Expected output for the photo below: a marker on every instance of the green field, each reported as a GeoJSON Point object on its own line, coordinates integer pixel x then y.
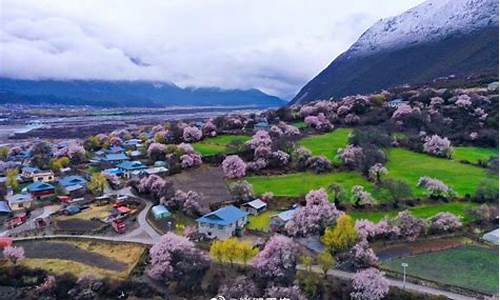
{"type": "Point", "coordinates": [220, 144]}
{"type": "Point", "coordinates": [474, 154]}
{"type": "Point", "coordinates": [298, 184]}
{"type": "Point", "coordinates": [410, 166]}
{"type": "Point", "coordinates": [469, 267]}
{"type": "Point", "coordinates": [327, 144]}
{"type": "Point", "coordinates": [261, 222]}
{"type": "Point", "coordinates": [299, 124]}
{"type": "Point", "coordinates": [424, 211]}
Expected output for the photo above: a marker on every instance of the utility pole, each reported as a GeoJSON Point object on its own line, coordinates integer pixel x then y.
{"type": "Point", "coordinates": [404, 265]}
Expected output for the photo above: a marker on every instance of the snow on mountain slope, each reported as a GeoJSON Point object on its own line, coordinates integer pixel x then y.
{"type": "Point", "coordinates": [432, 20]}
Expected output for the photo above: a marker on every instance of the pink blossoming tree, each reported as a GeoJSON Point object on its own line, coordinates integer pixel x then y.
{"type": "Point", "coordinates": [13, 254]}
{"type": "Point", "coordinates": [176, 259]}
{"type": "Point", "coordinates": [234, 167]}
{"type": "Point", "coordinates": [438, 146]}
{"type": "Point", "coordinates": [277, 261]}
{"type": "Point", "coordinates": [369, 284]}
{"type": "Point", "coordinates": [313, 218]}
{"type": "Point", "coordinates": [191, 134]}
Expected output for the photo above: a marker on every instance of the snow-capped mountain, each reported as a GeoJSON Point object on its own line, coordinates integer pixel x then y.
{"type": "Point", "coordinates": [430, 21]}
{"type": "Point", "coordinates": [436, 38]}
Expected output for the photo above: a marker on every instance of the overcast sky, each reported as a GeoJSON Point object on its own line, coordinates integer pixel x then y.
{"type": "Point", "coordinates": [273, 45]}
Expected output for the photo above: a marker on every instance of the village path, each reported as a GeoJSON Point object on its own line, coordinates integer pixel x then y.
{"type": "Point", "coordinates": [40, 213]}
{"type": "Point", "coordinates": [144, 231]}
{"type": "Point", "coordinates": [397, 283]}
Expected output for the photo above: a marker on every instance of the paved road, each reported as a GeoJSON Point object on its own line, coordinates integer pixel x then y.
{"type": "Point", "coordinates": [397, 283]}
{"type": "Point", "coordinates": [118, 238]}
{"type": "Point", "coordinates": [141, 217]}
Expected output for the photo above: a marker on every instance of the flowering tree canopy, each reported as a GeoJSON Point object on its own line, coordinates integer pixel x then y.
{"type": "Point", "coordinates": [438, 146]}
{"type": "Point", "coordinates": [435, 187]}
{"type": "Point", "coordinates": [314, 217]}
{"type": "Point", "coordinates": [14, 254]}
{"type": "Point", "coordinates": [444, 221]}
{"type": "Point", "coordinates": [319, 122]}
{"type": "Point", "coordinates": [278, 259]}
{"type": "Point", "coordinates": [360, 196]}
{"type": "Point", "coordinates": [175, 258]}
{"type": "Point", "coordinates": [260, 139]}
{"type": "Point", "coordinates": [191, 134]}
{"type": "Point", "coordinates": [278, 292]}
{"type": "Point", "coordinates": [351, 155]}
{"type": "Point", "coordinates": [369, 284]}
{"type": "Point", "coordinates": [319, 164]}
{"type": "Point", "coordinates": [234, 167]}
{"type": "Point", "coordinates": [157, 151]}
{"type": "Point", "coordinates": [363, 255]}
{"type": "Point", "coordinates": [209, 128]}
{"type": "Point", "coordinates": [376, 172]}
{"type": "Point", "coordinates": [409, 226]}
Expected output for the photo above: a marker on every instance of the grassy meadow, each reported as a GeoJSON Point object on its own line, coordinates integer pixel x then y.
{"type": "Point", "coordinates": [410, 166]}
{"type": "Point", "coordinates": [221, 144]}
{"type": "Point", "coordinates": [474, 154]}
{"type": "Point", "coordinates": [470, 267]}
{"type": "Point", "coordinates": [327, 144]}
{"type": "Point", "coordinates": [298, 184]}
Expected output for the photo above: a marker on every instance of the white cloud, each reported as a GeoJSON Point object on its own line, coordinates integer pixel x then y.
{"type": "Point", "coordinates": [275, 46]}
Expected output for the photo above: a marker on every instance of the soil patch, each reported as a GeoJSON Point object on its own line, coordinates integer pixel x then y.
{"type": "Point", "coordinates": [66, 251]}
{"type": "Point", "coordinates": [206, 180]}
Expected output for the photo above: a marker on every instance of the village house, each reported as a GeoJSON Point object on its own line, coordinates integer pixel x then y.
{"type": "Point", "coordinates": [113, 172]}
{"type": "Point", "coordinates": [115, 150]}
{"type": "Point", "coordinates": [18, 202]}
{"type": "Point", "coordinates": [44, 176]}
{"type": "Point", "coordinates": [223, 223]}
{"type": "Point", "coordinates": [278, 221]}
{"type": "Point", "coordinates": [114, 158]}
{"type": "Point", "coordinates": [396, 102]}
{"type": "Point", "coordinates": [130, 166]}
{"type": "Point", "coordinates": [132, 144]}
{"type": "Point", "coordinates": [73, 185]}
{"type": "Point", "coordinates": [35, 174]}
{"type": "Point", "coordinates": [254, 207]}
{"type": "Point", "coordinates": [40, 190]}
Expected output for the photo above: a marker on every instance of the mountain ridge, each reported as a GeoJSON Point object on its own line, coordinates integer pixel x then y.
{"type": "Point", "coordinates": [368, 66]}
{"type": "Point", "coordinates": [106, 93]}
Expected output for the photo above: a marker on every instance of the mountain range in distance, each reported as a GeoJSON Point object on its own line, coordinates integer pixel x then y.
{"type": "Point", "coordinates": [435, 39]}
{"type": "Point", "coordinates": [103, 93]}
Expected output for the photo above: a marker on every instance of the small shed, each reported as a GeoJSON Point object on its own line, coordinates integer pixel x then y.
{"type": "Point", "coordinates": [255, 207]}
{"type": "Point", "coordinates": [160, 212]}
{"type": "Point", "coordinates": [72, 209]}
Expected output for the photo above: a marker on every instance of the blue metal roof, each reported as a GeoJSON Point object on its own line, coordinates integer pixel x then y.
{"type": "Point", "coordinates": [113, 171]}
{"type": "Point", "coordinates": [223, 216]}
{"type": "Point", "coordinates": [72, 180]}
{"type": "Point", "coordinates": [39, 187]}
{"type": "Point", "coordinates": [132, 165]}
{"type": "Point", "coordinates": [4, 207]}
{"type": "Point", "coordinates": [288, 214]}
{"type": "Point", "coordinates": [115, 149]}
{"type": "Point", "coordinates": [30, 169]}
{"type": "Point", "coordinates": [115, 157]}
